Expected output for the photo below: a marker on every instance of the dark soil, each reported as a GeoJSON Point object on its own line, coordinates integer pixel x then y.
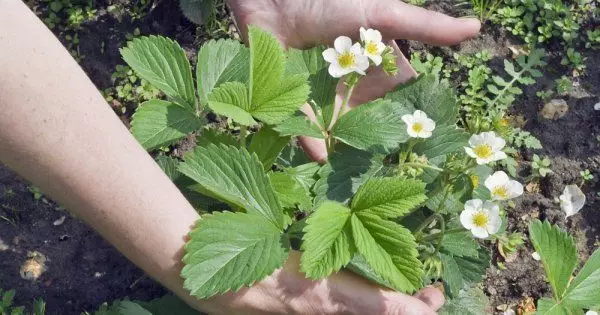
{"type": "Point", "coordinates": [84, 271]}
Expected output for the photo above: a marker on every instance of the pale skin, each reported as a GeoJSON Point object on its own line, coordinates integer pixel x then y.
{"type": "Point", "coordinates": [57, 131]}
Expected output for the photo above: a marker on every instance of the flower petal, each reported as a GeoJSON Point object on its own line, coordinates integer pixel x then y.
{"type": "Point", "coordinates": [466, 219]}
{"type": "Point", "coordinates": [498, 143]}
{"type": "Point", "coordinates": [425, 134]}
{"type": "Point", "coordinates": [470, 152]}
{"type": "Point", "coordinates": [408, 119]}
{"type": "Point", "coordinates": [363, 34]}
{"type": "Point", "coordinates": [475, 140]}
{"type": "Point", "coordinates": [380, 47]}
{"type": "Point", "coordinates": [572, 200]}
{"type": "Point", "coordinates": [474, 204]}
{"type": "Point", "coordinates": [429, 124]}
{"type": "Point", "coordinates": [336, 71]}
{"type": "Point", "coordinates": [495, 180]}
{"type": "Point", "coordinates": [342, 44]}
{"type": "Point", "coordinates": [330, 55]}
{"type": "Point", "coordinates": [498, 156]}
{"type": "Point", "coordinates": [376, 59]}
{"type": "Point", "coordinates": [480, 232]}
{"type": "Point", "coordinates": [515, 189]}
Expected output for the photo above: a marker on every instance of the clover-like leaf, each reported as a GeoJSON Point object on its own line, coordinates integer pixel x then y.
{"type": "Point", "coordinates": [299, 125]}
{"type": "Point", "coordinates": [231, 99]}
{"type": "Point", "coordinates": [584, 290]}
{"type": "Point", "coordinates": [267, 144]}
{"type": "Point", "coordinates": [163, 63]}
{"type": "Point", "coordinates": [229, 250]}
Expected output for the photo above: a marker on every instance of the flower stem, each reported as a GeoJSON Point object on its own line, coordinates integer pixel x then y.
{"type": "Point", "coordinates": [243, 133]}
{"type": "Point", "coordinates": [421, 165]}
{"type": "Point", "coordinates": [349, 90]}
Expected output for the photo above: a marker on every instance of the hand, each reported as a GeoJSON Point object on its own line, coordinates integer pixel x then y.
{"type": "Point", "coordinates": [306, 23]}
{"type": "Point", "coordinates": [287, 291]}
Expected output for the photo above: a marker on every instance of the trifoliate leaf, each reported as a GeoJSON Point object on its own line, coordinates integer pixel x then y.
{"type": "Point", "coordinates": [327, 242]}
{"type": "Point", "coordinates": [214, 136]}
{"type": "Point", "coordinates": [221, 61]}
{"type": "Point", "coordinates": [390, 250]}
{"type": "Point", "coordinates": [157, 123]}
{"type": "Point", "coordinates": [426, 93]}
{"type": "Point", "coordinates": [584, 290]}
{"type": "Point", "coordinates": [230, 99]}
{"type": "Point", "coordinates": [163, 63]}
{"type": "Point", "coordinates": [309, 61]}
{"type": "Point", "coordinates": [236, 177]}
{"type": "Point", "coordinates": [290, 192]}
{"type": "Point", "coordinates": [445, 140]}
{"type": "Point", "coordinates": [389, 197]}
{"type": "Point", "coordinates": [376, 126]}
{"type": "Point", "coordinates": [292, 155]}
{"type": "Point", "coordinates": [470, 301]}
{"type": "Point", "coordinates": [557, 251]}
{"type": "Point", "coordinates": [462, 271]}
{"type": "Point", "coordinates": [267, 144]}
{"type": "Point", "coordinates": [299, 125]}
{"type": "Point", "coordinates": [274, 97]}
{"type": "Point", "coordinates": [346, 170]}
{"type": "Point", "coordinates": [229, 250]}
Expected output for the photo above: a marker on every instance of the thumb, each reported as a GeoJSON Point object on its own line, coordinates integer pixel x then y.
{"type": "Point", "coordinates": [396, 19]}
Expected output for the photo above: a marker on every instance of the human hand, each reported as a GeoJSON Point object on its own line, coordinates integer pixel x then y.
{"type": "Point", "coordinates": [287, 291]}
{"type": "Point", "coordinates": [306, 23]}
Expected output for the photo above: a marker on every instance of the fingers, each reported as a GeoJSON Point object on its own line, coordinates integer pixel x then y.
{"type": "Point", "coordinates": [433, 297]}
{"type": "Point", "coordinates": [396, 19]}
{"type": "Point", "coordinates": [313, 147]}
{"type": "Point", "coordinates": [400, 304]}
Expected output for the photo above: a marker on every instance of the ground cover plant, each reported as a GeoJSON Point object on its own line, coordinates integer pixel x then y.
{"type": "Point", "coordinates": [493, 84]}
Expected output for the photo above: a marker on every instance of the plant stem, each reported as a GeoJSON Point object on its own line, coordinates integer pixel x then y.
{"type": "Point", "coordinates": [437, 234]}
{"type": "Point", "coordinates": [243, 133]}
{"type": "Point", "coordinates": [350, 88]}
{"type": "Point", "coordinates": [415, 164]}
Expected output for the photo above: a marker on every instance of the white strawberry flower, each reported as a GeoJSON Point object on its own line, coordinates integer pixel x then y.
{"type": "Point", "coordinates": [502, 187]}
{"type": "Point", "coordinates": [374, 47]}
{"type": "Point", "coordinates": [486, 147]}
{"type": "Point", "coordinates": [591, 313]}
{"type": "Point", "coordinates": [346, 58]}
{"type": "Point", "coordinates": [481, 218]}
{"type": "Point", "coordinates": [418, 125]}
{"type": "Point", "coordinates": [572, 200]}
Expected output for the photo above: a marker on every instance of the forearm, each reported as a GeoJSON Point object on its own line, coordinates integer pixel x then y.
{"type": "Point", "coordinates": [57, 131]}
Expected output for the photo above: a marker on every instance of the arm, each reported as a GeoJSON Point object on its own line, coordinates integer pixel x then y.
{"type": "Point", "coordinates": [57, 131]}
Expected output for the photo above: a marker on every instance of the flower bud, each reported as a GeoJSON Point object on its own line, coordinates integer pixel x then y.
{"type": "Point", "coordinates": [389, 61]}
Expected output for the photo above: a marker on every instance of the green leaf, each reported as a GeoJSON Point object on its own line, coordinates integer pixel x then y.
{"type": "Point", "coordinates": [429, 95]}
{"type": "Point", "coordinates": [290, 192]}
{"type": "Point", "coordinates": [236, 177]}
{"type": "Point", "coordinates": [168, 305]}
{"type": "Point", "coordinates": [130, 308]}
{"type": "Point", "coordinates": [267, 144]}
{"type": "Point", "coordinates": [462, 271]}
{"type": "Point", "coordinates": [299, 125]}
{"type": "Point", "coordinates": [309, 61]}
{"type": "Point", "coordinates": [213, 136]}
{"type": "Point", "coordinates": [157, 123]}
{"type": "Point", "coordinates": [389, 197]}
{"type": "Point", "coordinates": [390, 250]}
{"type": "Point", "coordinates": [584, 290]}
{"type": "Point", "coordinates": [327, 241]}
{"type": "Point", "coordinates": [549, 307]}
{"type": "Point", "coordinates": [169, 166]}
{"type": "Point", "coordinates": [346, 170]}
{"type": "Point", "coordinates": [230, 99]}
{"type": "Point", "coordinates": [445, 140]}
{"type": "Point", "coordinates": [197, 11]}
{"type": "Point", "coordinates": [471, 301]}
{"type": "Point", "coordinates": [163, 63]}
{"type": "Point", "coordinates": [221, 61]}
{"type": "Point", "coordinates": [229, 250]}
{"type": "Point", "coordinates": [292, 156]}
{"type": "Point", "coordinates": [460, 244]}
{"type": "Point", "coordinates": [274, 97]}
{"type": "Point", "coordinates": [305, 174]}
{"type": "Point", "coordinates": [360, 266]}
{"type": "Point", "coordinates": [376, 126]}
{"type": "Point", "coordinates": [557, 251]}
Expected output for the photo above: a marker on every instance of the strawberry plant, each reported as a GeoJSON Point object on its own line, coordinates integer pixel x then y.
{"type": "Point", "coordinates": [402, 200]}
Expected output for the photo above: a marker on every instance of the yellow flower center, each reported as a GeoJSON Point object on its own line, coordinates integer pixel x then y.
{"type": "Point", "coordinates": [480, 219]}
{"type": "Point", "coordinates": [503, 122]}
{"type": "Point", "coordinates": [500, 192]}
{"type": "Point", "coordinates": [371, 48]}
{"type": "Point", "coordinates": [483, 151]}
{"type": "Point", "coordinates": [417, 127]}
{"type": "Point", "coordinates": [475, 180]}
{"type": "Point", "coordinates": [346, 59]}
